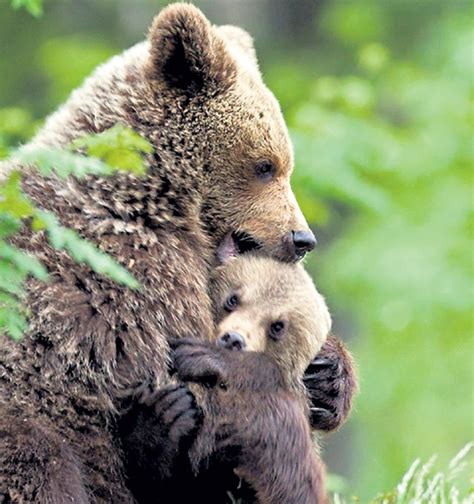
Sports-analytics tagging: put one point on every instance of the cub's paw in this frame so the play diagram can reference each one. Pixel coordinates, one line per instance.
(331, 382)
(199, 362)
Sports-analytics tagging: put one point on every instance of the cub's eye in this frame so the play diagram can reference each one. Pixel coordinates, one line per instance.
(231, 303)
(277, 329)
(265, 170)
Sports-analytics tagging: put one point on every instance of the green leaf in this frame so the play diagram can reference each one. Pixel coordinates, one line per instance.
(83, 251)
(34, 7)
(8, 300)
(11, 279)
(24, 262)
(12, 199)
(61, 162)
(12, 321)
(8, 224)
(120, 147)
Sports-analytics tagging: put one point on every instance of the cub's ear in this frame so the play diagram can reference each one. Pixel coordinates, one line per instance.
(185, 53)
(241, 40)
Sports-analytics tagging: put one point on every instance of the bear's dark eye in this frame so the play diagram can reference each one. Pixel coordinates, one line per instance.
(277, 329)
(231, 303)
(223, 385)
(265, 170)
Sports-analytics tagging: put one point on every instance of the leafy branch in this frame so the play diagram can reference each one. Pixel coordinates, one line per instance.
(117, 149)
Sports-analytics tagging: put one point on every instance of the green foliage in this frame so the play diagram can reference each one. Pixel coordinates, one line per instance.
(16, 206)
(34, 7)
(83, 251)
(62, 163)
(120, 147)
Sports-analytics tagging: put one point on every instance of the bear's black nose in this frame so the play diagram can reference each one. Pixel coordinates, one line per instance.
(232, 341)
(303, 241)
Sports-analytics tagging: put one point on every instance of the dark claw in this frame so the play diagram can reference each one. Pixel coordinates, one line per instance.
(321, 363)
(331, 383)
(157, 431)
(318, 411)
(321, 370)
(310, 376)
(323, 418)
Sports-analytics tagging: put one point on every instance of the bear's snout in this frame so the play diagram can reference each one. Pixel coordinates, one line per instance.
(231, 341)
(303, 241)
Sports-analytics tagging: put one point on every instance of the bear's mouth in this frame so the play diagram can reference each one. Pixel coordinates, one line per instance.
(245, 242)
(236, 243)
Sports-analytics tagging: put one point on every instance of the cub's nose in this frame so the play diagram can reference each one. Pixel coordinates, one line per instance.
(232, 341)
(303, 241)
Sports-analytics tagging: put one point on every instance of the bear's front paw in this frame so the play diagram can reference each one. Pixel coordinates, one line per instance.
(174, 411)
(157, 430)
(199, 362)
(331, 382)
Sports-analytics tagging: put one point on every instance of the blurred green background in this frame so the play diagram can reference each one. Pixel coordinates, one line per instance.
(378, 96)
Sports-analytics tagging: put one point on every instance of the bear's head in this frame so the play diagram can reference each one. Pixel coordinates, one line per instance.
(227, 121)
(267, 307)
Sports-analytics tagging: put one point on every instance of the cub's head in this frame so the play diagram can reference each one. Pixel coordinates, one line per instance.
(265, 306)
(226, 120)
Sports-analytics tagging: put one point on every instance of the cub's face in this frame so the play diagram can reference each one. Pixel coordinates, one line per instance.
(212, 73)
(262, 305)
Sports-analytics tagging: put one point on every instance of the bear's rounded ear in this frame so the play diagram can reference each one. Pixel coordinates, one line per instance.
(240, 39)
(186, 54)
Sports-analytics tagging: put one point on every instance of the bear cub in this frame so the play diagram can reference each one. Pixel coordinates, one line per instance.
(272, 316)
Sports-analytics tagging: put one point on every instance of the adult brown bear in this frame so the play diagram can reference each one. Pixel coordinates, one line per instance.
(221, 164)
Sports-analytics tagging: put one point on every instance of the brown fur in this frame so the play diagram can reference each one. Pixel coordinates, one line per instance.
(192, 93)
(267, 292)
(253, 417)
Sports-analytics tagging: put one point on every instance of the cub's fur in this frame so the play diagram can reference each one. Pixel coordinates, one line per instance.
(258, 423)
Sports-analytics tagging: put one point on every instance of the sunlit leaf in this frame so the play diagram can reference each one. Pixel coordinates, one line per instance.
(11, 278)
(23, 262)
(12, 199)
(8, 224)
(12, 321)
(61, 162)
(119, 147)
